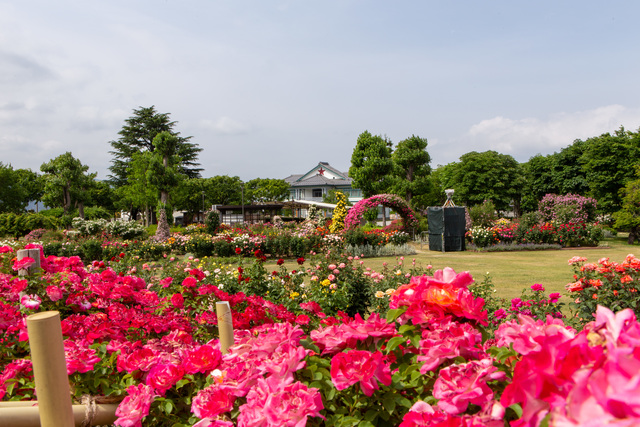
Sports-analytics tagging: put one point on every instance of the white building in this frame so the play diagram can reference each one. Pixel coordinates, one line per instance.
(319, 181)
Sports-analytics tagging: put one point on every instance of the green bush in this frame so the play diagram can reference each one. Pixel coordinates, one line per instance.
(212, 222)
(96, 212)
(91, 250)
(19, 225)
(483, 215)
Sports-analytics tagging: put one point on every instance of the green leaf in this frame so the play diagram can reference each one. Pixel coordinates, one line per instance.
(402, 401)
(392, 315)
(394, 343)
(389, 402)
(516, 408)
(168, 406)
(406, 327)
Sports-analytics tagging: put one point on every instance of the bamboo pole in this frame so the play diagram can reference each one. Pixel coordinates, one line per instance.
(29, 416)
(225, 325)
(50, 369)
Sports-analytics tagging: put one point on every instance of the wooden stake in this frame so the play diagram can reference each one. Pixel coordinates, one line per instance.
(225, 325)
(50, 369)
(31, 253)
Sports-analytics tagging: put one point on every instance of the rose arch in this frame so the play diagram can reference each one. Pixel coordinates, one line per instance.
(389, 200)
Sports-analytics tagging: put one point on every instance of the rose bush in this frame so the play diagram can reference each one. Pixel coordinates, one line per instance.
(153, 344)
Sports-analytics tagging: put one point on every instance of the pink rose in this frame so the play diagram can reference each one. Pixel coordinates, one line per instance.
(135, 406)
(212, 401)
(163, 376)
(359, 366)
(54, 293)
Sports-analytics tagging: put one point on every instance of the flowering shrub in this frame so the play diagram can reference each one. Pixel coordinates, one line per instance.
(389, 200)
(153, 345)
(608, 283)
(125, 229)
(567, 209)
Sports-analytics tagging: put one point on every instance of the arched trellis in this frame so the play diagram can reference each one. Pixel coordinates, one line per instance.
(389, 200)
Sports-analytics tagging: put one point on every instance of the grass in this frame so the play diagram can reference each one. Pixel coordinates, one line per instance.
(511, 272)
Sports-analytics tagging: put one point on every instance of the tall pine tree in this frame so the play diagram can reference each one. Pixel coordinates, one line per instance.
(137, 136)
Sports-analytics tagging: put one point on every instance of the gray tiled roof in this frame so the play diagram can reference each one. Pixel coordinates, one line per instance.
(319, 180)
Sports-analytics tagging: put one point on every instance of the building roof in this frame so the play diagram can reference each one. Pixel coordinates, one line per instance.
(316, 176)
(319, 180)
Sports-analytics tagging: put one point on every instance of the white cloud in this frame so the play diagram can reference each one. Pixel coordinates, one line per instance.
(528, 136)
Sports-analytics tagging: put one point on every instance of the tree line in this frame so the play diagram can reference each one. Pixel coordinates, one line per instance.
(154, 166)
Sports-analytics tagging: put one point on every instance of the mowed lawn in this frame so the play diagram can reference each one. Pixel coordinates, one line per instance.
(511, 272)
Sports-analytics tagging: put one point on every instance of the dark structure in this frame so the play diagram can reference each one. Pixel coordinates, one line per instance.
(446, 228)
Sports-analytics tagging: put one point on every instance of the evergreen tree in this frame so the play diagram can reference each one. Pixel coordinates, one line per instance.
(411, 162)
(371, 164)
(137, 136)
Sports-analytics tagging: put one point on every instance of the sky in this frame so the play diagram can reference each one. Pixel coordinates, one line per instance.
(270, 88)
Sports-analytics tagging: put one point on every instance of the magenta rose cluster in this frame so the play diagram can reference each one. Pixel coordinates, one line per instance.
(430, 362)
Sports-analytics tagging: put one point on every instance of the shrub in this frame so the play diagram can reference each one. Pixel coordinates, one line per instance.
(607, 283)
(483, 215)
(125, 229)
(19, 225)
(212, 222)
(567, 209)
(89, 227)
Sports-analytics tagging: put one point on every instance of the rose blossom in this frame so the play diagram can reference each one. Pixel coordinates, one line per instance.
(135, 406)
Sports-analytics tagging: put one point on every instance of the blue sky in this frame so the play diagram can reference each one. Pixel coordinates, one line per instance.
(269, 88)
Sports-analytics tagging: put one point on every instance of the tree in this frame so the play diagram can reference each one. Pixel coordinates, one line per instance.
(487, 176)
(66, 183)
(102, 194)
(138, 134)
(371, 164)
(539, 180)
(628, 217)
(608, 162)
(139, 193)
(262, 190)
(411, 168)
(568, 173)
(18, 187)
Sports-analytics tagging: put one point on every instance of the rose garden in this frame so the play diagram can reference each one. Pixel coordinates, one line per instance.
(320, 339)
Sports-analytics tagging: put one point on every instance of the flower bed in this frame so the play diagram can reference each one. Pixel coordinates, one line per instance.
(432, 361)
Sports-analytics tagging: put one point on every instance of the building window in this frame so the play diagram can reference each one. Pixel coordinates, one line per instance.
(316, 192)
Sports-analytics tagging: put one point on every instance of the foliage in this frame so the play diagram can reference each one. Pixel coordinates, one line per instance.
(605, 170)
(484, 214)
(18, 188)
(628, 217)
(263, 190)
(411, 169)
(18, 225)
(371, 164)
(212, 221)
(137, 136)
(485, 176)
(66, 183)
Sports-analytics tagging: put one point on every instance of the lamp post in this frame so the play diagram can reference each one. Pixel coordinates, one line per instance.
(243, 204)
(203, 207)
